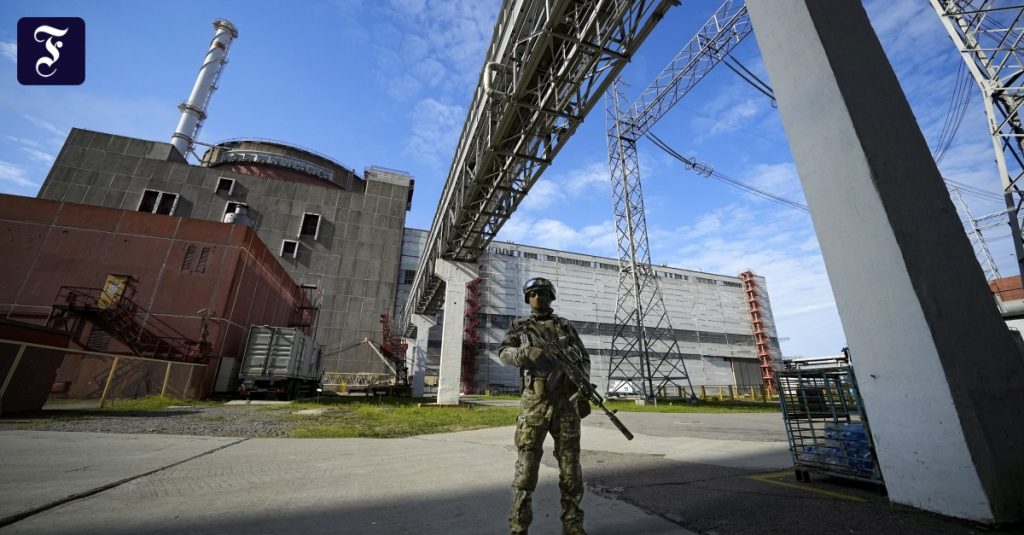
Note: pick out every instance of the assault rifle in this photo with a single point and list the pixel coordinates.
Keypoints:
(571, 361)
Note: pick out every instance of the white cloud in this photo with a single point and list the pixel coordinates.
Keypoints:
(38, 155)
(14, 174)
(31, 148)
(434, 132)
(778, 179)
(735, 117)
(9, 50)
(429, 72)
(590, 179)
(24, 141)
(404, 87)
(438, 43)
(596, 239)
(43, 124)
(543, 195)
(776, 243)
(435, 47)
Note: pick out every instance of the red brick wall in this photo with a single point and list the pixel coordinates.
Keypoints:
(1007, 289)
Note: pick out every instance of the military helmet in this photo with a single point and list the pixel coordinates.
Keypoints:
(538, 283)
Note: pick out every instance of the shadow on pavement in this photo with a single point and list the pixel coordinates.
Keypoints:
(734, 501)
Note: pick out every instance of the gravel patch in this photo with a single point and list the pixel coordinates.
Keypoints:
(226, 421)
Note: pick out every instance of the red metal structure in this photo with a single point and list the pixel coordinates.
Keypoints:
(307, 310)
(764, 353)
(393, 347)
(471, 338)
(119, 317)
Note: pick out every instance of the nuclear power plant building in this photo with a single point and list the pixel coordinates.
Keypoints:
(710, 314)
(337, 234)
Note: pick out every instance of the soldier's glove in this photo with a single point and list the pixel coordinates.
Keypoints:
(529, 356)
(533, 354)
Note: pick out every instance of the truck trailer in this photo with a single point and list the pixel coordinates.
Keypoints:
(279, 362)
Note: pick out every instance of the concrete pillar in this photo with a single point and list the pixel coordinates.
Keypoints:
(416, 355)
(940, 377)
(455, 275)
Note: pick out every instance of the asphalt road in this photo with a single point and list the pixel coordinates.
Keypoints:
(684, 473)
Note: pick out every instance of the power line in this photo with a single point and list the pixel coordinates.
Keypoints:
(974, 190)
(958, 104)
(708, 171)
(749, 77)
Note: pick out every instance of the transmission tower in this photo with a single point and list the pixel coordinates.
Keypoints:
(645, 353)
(977, 239)
(988, 34)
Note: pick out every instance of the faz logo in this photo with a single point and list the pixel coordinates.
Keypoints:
(51, 51)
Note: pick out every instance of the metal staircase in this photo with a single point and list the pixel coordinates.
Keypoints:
(125, 321)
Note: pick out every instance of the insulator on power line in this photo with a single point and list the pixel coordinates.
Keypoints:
(700, 168)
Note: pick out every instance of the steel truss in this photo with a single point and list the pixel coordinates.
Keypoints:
(645, 353)
(988, 264)
(989, 34)
(547, 65)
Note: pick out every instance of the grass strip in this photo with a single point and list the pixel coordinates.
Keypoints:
(155, 403)
(370, 420)
(706, 406)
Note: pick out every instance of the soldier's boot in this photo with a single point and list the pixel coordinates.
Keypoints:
(522, 512)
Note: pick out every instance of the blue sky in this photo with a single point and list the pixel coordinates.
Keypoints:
(388, 84)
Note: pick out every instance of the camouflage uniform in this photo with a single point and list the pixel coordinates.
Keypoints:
(549, 405)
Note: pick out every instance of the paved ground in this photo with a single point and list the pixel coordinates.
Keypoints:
(706, 473)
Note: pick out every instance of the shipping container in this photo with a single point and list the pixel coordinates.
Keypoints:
(281, 362)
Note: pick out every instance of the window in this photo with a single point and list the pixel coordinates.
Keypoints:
(310, 225)
(572, 261)
(204, 255)
(231, 206)
(225, 185)
(158, 202)
(289, 248)
(409, 275)
(186, 263)
(530, 255)
(148, 202)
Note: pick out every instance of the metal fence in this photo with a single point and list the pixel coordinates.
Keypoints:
(31, 370)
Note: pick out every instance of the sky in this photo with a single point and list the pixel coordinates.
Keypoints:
(379, 83)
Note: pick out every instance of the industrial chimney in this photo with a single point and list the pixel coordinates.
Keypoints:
(193, 112)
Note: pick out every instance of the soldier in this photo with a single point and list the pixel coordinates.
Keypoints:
(550, 404)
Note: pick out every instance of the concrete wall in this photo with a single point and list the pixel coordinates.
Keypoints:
(939, 374)
(708, 312)
(353, 259)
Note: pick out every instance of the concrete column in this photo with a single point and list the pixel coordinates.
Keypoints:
(455, 275)
(940, 377)
(416, 355)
